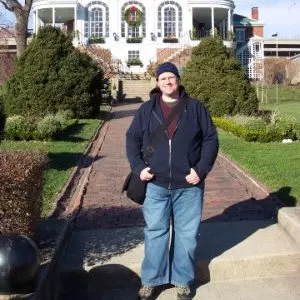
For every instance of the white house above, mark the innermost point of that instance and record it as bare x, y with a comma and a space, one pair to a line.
136, 29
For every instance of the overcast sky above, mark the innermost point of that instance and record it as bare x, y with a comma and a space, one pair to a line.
279, 16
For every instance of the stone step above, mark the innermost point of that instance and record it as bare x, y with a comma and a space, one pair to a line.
289, 220
279, 288
228, 251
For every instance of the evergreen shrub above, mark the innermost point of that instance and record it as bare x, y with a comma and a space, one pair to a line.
215, 76
52, 75
20, 191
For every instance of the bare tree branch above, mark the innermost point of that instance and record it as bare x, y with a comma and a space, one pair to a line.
5, 5
28, 4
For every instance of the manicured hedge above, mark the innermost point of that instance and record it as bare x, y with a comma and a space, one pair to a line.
269, 134
47, 128
20, 191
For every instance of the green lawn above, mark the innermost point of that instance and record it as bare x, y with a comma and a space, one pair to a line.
285, 99
63, 155
276, 165
285, 108
277, 93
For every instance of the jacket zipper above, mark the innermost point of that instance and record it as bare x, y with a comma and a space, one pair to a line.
170, 145
170, 156
170, 149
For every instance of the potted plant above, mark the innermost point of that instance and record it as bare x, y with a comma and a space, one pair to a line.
134, 62
170, 39
96, 40
131, 40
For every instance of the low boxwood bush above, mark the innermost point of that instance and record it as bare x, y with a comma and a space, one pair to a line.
48, 127
64, 117
20, 191
285, 125
268, 134
18, 128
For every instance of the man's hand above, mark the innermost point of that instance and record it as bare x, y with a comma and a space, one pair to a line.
145, 175
193, 177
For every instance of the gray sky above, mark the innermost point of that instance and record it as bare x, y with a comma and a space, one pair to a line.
281, 16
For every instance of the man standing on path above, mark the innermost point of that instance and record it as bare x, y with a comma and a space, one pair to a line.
183, 157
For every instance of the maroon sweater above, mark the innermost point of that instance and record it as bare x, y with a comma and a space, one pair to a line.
166, 110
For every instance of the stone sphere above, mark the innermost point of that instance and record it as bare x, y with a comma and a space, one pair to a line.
19, 262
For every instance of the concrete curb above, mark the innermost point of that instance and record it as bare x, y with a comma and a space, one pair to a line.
68, 191
253, 185
289, 220
76, 199
48, 285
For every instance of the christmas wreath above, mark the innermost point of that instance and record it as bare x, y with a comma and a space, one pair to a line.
133, 16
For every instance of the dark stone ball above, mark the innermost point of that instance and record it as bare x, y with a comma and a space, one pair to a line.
19, 262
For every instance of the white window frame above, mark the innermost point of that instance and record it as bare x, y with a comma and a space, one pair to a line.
133, 54
103, 19
176, 20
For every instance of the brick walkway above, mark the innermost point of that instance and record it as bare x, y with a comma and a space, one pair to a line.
226, 198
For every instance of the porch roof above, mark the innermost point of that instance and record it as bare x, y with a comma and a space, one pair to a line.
239, 20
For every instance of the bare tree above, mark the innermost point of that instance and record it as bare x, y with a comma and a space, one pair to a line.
103, 58
21, 13
7, 56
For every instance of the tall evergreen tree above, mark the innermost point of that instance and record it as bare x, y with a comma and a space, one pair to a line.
216, 77
52, 75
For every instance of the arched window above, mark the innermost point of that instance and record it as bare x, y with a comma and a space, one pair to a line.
169, 22
96, 19
96, 22
133, 31
169, 19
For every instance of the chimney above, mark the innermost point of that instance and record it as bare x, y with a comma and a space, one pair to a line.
254, 11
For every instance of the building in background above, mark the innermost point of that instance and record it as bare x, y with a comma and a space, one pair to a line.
140, 32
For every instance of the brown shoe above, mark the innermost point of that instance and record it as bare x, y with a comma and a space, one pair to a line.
146, 292
184, 293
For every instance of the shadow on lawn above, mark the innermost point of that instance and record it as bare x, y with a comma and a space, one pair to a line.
69, 133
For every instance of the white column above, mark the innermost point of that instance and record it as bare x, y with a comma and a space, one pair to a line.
75, 19
213, 21
229, 20
53, 16
191, 21
35, 21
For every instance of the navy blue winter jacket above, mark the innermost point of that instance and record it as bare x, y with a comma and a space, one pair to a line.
193, 145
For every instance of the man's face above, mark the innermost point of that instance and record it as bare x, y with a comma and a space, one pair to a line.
168, 84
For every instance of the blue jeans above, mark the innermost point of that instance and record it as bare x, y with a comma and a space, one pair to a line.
164, 262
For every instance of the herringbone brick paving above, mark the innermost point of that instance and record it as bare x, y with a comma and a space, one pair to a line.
104, 206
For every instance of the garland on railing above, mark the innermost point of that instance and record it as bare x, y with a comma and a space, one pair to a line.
133, 16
